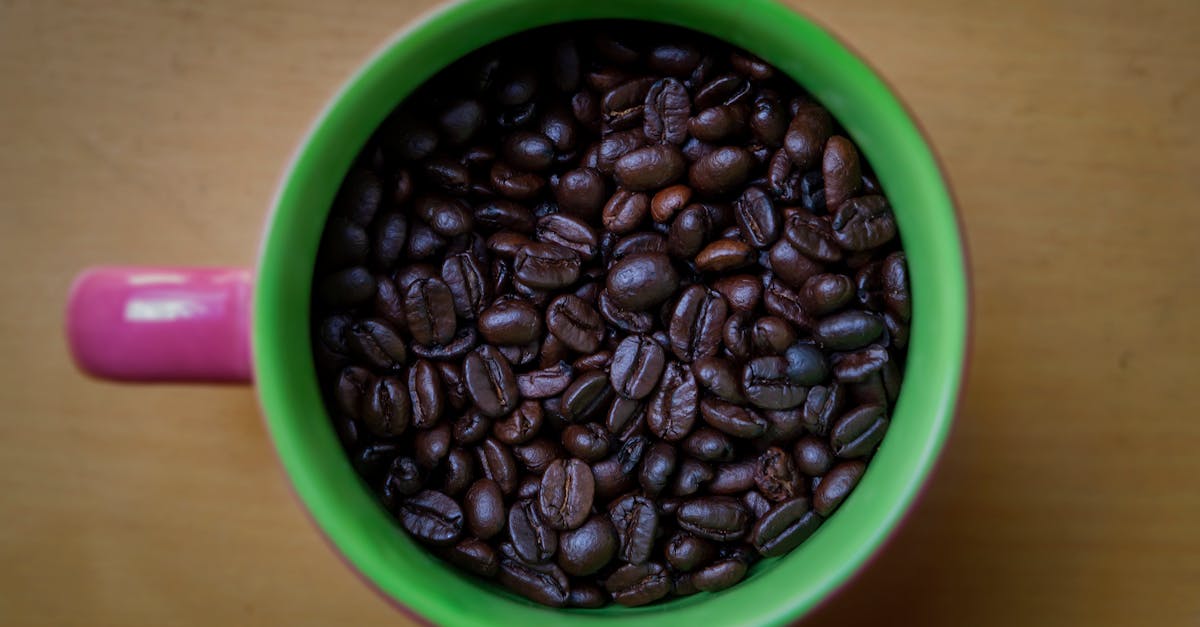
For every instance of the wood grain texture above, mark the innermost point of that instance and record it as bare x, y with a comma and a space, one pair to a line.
141, 131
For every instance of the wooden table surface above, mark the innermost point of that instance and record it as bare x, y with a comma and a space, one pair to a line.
140, 131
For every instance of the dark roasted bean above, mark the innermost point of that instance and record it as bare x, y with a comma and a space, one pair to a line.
733, 478
432, 446
836, 485
665, 118
776, 476
459, 468
566, 493
766, 384
810, 128
638, 584
709, 445
348, 287
821, 406
848, 330
588, 548
671, 412
546, 266
696, 323
641, 281
575, 322
721, 171
806, 365
546, 382
783, 301
895, 285
386, 409
496, 463
668, 202
784, 527
864, 223
624, 211
636, 522
719, 575
532, 538
757, 218
468, 284
462, 342
587, 397
812, 456
840, 169
649, 168
521, 425
590, 442
736, 335
689, 232
735, 420
743, 292
510, 321
771, 335
824, 293
542, 583
432, 518
658, 464
429, 309
719, 518
725, 255
427, 394
857, 432
691, 476
471, 428
791, 266
686, 552
756, 503
718, 376
476, 556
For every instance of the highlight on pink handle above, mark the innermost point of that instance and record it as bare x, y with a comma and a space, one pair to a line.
161, 324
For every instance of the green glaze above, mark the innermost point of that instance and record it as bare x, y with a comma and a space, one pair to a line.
778, 590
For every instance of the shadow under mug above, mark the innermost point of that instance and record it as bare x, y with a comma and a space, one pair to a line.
217, 324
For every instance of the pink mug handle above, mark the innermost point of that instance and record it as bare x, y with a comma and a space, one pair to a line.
161, 324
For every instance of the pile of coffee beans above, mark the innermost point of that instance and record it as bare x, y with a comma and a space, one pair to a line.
608, 312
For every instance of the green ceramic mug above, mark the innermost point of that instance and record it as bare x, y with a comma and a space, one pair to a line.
187, 324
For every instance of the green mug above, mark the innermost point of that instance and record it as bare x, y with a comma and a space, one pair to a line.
177, 324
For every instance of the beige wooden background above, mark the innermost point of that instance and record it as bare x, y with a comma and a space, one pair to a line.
143, 131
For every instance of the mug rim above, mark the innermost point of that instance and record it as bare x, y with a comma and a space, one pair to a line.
353, 521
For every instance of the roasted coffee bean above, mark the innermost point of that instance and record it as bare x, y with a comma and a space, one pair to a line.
423, 242
389, 302
504, 215
625, 320
460, 120
491, 381
708, 445
836, 485
860, 365
848, 330
641, 281
447, 216
636, 522
784, 527
637, 366
768, 120
521, 425
735, 420
638, 584
484, 507
345, 243
386, 410
692, 475
570, 232
671, 412
840, 169
470, 428
821, 406
696, 323
625, 417
590, 442
781, 300
432, 446
346, 288
528, 488
624, 211
859, 431
404, 478
546, 266
721, 171
667, 106
776, 476
576, 323
668, 202
432, 518
757, 218
374, 460
354, 385
459, 468
467, 282
791, 266
813, 236
767, 385
824, 293
895, 285
771, 335
429, 309
532, 538
805, 139
541, 583
588, 548
756, 503
456, 388
725, 255
649, 168
528, 150
743, 292
476, 556
686, 552
864, 223
462, 342
427, 395
586, 596
546, 382
689, 232
732, 478
726, 89
720, 575
566, 494
451, 177
588, 396
716, 124
812, 455
719, 377
496, 463
658, 463
736, 335
806, 365
510, 321
622, 107
673, 59
580, 192
718, 518
783, 425
537, 455
610, 481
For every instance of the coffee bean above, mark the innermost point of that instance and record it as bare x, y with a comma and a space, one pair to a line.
735, 420
743, 292
822, 404
718, 376
491, 381
570, 232
859, 431
721, 171
346, 288
732, 478
757, 218
836, 485
812, 455
692, 475
686, 552
696, 323
532, 538
546, 382
720, 575
432, 518
637, 366
588, 548
716, 124
541, 583
625, 210
689, 232
630, 454
756, 503
776, 476
586, 596
708, 445
658, 464
470, 428
432, 446
671, 412
521, 425
626, 417
404, 478
673, 59
806, 365
616, 145
429, 309
725, 255
467, 282
462, 342
476, 556
824, 293
771, 335
806, 135
718, 518
587, 397
590, 442
895, 284
863, 223
576, 323
510, 321
345, 243
668, 202
638, 584
566, 494
386, 410
767, 385
791, 266
546, 266
636, 523
848, 330
840, 169
649, 168
353, 386
496, 463
625, 320
621, 107
813, 236
641, 281
736, 335
781, 300
484, 507
665, 118
459, 467
726, 89
784, 527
